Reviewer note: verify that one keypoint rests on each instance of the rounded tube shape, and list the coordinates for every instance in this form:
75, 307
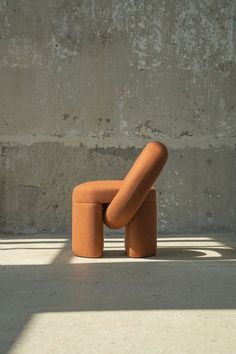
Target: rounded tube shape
87, 229
136, 185
141, 232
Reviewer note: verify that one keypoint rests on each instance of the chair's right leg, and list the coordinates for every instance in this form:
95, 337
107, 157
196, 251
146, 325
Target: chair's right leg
141, 232
87, 229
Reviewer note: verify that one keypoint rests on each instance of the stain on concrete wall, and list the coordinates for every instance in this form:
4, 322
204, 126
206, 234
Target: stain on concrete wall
85, 84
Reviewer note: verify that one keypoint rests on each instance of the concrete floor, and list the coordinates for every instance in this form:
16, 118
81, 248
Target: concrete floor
181, 301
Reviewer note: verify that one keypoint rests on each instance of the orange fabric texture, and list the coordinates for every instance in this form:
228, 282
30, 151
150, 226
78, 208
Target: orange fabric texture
130, 203
87, 229
101, 192
141, 232
136, 185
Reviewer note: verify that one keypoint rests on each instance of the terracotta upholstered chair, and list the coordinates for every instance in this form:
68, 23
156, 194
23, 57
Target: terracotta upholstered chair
129, 203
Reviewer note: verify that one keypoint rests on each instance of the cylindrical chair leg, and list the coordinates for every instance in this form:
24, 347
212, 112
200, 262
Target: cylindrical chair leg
87, 229
141, 232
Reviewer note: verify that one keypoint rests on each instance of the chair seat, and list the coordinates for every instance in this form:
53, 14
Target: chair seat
101, 192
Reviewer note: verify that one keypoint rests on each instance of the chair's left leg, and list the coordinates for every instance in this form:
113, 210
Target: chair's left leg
141, 232
87, 229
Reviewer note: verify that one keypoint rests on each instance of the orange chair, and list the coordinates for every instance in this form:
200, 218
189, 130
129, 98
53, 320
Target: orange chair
129, 203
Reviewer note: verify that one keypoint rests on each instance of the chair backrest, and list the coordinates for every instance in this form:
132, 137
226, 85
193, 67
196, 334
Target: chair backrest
136, 185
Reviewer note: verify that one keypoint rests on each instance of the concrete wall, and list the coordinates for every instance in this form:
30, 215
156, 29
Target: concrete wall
85, 84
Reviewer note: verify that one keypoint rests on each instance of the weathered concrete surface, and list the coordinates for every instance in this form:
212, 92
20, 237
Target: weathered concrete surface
193, 193
85, 84
182, 301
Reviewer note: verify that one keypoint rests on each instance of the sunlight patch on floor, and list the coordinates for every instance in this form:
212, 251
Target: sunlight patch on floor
26, 250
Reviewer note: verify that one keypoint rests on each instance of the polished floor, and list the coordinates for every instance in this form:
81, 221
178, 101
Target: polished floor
181, 301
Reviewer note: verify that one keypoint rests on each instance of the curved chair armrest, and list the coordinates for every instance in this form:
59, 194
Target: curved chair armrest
136, 185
